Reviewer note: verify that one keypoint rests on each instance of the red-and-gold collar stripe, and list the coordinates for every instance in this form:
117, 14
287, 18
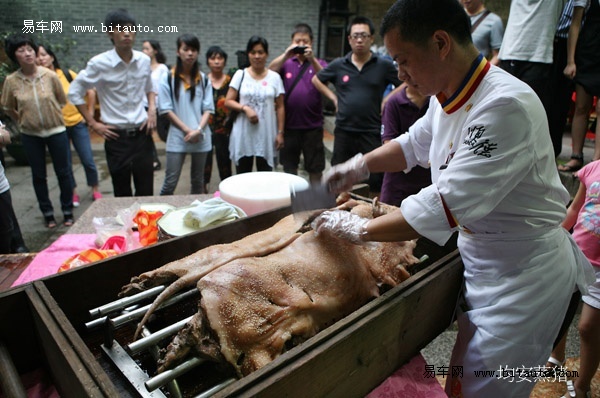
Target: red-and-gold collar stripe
469, 85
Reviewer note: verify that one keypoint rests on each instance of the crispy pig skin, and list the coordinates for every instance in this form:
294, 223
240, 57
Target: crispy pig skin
255, 308
186, 272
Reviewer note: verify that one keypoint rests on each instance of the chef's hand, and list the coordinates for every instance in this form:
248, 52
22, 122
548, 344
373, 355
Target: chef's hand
341, 224
342, 177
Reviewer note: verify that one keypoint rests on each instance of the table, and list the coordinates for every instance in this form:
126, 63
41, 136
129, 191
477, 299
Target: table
108, 207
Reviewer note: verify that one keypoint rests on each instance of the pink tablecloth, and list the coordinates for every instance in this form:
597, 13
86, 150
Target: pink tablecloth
48, 260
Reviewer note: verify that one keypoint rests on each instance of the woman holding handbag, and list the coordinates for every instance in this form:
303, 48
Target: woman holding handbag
257, 93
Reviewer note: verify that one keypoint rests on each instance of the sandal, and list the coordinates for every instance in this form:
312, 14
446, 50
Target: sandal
50, 222
556, 363
574, 166
572, 393
69, 220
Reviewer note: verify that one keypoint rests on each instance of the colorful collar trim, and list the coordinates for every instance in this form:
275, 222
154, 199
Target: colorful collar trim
186, 85
469, 85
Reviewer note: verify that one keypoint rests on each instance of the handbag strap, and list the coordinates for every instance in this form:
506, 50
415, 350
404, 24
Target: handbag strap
476, 24
240, 88
295, 82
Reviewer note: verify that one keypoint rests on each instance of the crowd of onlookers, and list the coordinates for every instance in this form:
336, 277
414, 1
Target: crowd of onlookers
265, 113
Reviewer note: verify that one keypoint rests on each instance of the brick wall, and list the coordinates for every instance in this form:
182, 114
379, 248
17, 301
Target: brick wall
228, 23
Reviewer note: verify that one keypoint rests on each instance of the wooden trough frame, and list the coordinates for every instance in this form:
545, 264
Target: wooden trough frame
43, 324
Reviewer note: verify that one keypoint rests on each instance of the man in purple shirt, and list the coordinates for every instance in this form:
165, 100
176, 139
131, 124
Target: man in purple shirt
303, 105
400, 112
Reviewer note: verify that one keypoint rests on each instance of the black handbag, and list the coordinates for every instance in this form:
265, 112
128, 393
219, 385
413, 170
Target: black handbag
234, 114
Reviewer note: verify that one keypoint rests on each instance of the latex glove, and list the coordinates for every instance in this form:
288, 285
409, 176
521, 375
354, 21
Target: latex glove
343, 176
341, 224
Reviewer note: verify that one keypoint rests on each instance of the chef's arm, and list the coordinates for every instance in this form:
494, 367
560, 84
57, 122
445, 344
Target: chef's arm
391, 227
342, 224
342, 177
386, 158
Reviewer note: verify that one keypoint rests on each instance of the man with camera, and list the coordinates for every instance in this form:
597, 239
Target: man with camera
303, 105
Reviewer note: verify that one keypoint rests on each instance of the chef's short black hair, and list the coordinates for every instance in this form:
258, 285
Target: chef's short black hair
417, 20
16, 41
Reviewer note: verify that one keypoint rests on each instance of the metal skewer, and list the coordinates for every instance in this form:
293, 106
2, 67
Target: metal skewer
217, 388
168, 375
172, 386
139, 313
153, 338
124, 302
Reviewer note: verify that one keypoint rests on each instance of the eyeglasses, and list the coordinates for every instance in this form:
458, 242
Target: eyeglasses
362, 35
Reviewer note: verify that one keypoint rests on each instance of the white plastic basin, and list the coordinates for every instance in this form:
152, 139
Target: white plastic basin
260, 191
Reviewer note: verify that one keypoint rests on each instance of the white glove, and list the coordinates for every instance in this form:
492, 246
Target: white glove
341, 224
343, 176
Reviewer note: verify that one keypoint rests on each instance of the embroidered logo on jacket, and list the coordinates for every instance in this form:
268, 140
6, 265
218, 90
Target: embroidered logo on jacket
479, 146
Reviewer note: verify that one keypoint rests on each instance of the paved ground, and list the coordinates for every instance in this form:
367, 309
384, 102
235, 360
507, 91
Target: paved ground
37, 236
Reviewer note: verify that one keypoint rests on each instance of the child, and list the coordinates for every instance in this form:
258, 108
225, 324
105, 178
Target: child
583, 216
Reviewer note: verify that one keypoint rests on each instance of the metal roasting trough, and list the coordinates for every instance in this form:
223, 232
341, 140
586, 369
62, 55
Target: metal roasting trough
71, 331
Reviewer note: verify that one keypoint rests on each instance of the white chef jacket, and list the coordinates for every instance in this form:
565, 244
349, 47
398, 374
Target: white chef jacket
495, 180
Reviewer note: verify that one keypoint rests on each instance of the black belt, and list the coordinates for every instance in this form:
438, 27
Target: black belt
132, 132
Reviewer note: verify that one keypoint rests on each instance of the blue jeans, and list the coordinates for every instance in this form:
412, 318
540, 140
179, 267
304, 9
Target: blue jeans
173, 171
58, 146
80, 136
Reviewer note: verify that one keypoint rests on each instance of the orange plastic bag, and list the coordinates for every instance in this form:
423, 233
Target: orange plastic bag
146, 222
113, 246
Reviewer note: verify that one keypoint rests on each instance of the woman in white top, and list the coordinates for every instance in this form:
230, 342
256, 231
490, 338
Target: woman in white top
158, 60
187, 98
258, 130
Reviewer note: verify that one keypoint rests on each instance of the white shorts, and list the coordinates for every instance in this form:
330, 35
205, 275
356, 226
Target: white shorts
593, 298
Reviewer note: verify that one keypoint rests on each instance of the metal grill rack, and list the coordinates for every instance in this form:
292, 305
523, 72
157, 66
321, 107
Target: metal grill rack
129, 310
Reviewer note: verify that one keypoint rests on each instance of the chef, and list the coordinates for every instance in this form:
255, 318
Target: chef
485, 138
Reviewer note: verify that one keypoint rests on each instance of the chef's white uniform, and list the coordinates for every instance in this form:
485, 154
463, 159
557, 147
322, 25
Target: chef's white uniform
495, 181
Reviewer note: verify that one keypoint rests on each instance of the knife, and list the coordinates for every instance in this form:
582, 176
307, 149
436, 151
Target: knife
316, 196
